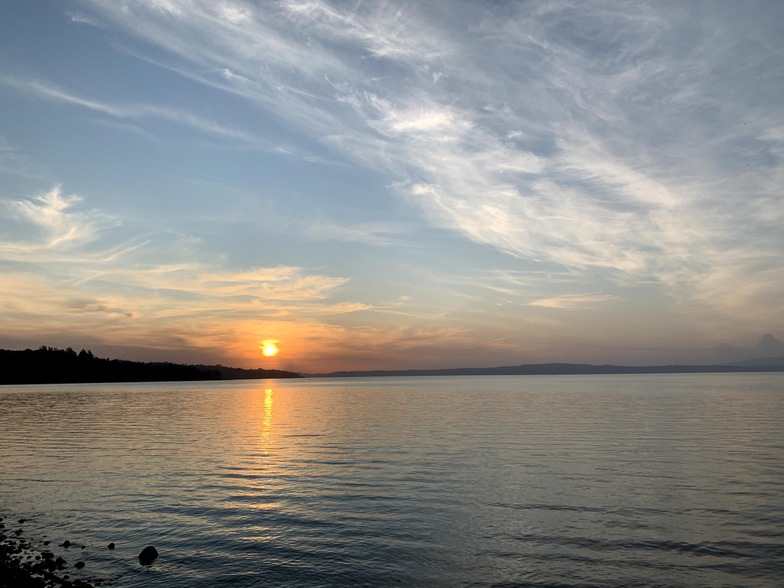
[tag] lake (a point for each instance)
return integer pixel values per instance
(622, 480)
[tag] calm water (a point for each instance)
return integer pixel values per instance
(651, 480)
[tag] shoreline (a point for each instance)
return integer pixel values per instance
(34, 563)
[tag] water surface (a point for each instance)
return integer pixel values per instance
(644, 480)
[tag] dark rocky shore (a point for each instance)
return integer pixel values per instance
(39, 563)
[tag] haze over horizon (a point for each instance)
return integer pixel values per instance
(393, 185)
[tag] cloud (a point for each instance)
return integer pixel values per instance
(640, 146)
(80, 18)
(16, 163)
(383, 30)
(370, 233)
(546, 190)
(278, 283)
(127, 111)
(573, 301)
(60, 226)
(77, 277)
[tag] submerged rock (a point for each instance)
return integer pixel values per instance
(148, 555)
(79, 565)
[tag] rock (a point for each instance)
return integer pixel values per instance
(47, 542)
(66, 543)
(148, 555)
(79, 565)
(22, 521)
(110, 546)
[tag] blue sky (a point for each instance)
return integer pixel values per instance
(391, 185)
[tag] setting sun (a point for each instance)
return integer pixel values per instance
(268, 348)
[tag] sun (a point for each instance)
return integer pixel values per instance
(269, 347)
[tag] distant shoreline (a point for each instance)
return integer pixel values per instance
(556, 369)
(47, 365)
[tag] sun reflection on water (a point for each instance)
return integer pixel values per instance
(266, 423)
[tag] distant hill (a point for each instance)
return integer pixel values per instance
(231, 373)
(761, 361)
(766, 348)
(47, 365)
(541, 369)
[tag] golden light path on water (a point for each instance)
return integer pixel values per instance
(267, 422)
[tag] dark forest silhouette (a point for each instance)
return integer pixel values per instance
(47, 365)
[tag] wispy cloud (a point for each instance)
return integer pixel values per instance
(370, 233)
(127, 111)
(572, 301)
(60, 226)
(383, 29)
(166, 292)
(81, 18)
(74, 274)
(609, 149)
(591, 136)
(14, 162)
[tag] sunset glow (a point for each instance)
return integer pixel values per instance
(404, 185)
(269, 348)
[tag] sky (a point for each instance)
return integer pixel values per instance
(390, 185)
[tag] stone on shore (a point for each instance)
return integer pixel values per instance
(23, 566)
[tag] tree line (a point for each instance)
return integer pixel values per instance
(48, 365)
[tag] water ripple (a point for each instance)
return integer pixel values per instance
(660, 480)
